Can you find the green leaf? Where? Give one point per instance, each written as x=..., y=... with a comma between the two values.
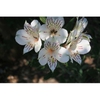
x=80, y=71
x=43, y=19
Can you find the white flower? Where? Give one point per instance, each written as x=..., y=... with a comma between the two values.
x=51, y=53
x=78, y=30
x=78, y=42
x=78, y=47
x=80, y=25
x=53, y=27
x=29, y=36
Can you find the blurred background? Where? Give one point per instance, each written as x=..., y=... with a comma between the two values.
x=18, y=68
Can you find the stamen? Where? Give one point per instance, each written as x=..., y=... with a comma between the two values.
x=53, y=32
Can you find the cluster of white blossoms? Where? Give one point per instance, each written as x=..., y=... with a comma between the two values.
x=53, y=35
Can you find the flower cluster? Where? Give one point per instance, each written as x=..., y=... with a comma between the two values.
x=53, y=34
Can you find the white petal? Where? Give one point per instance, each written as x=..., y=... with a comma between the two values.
x=38, y=45
x=80, y=26
x=71, y=36
x=63, y=55
x=52, y=43
x=52, y=40
x=76, y=57
x=43, y=58
x=61, y=19
x=55, y=21
x=52, y=63
x=28, y=47
x=83, y=47
x=21, y=37
x=62, y=35
x=35, y=24
x=32, y=31
x=27, y=26
x=85, y=36
x=44, y=32
x=84, y=23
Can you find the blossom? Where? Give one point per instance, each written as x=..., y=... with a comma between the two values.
x=53, y=28
x=29, y=36
x=78, y=42
x=52, y=52
x=76, y=48
x=78, y=30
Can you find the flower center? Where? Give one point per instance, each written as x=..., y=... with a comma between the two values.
x=53, y=32
x=50, y=51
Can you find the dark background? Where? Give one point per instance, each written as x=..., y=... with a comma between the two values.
x=18, y=68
